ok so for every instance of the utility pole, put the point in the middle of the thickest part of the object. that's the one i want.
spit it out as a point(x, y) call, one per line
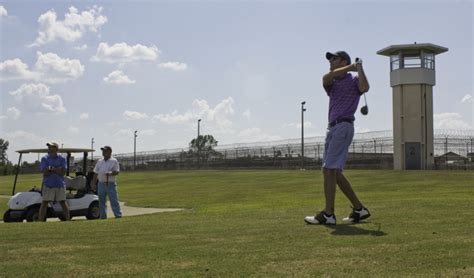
point(135, 150)
point(199, 127)
point(302, 133)
point(92, 152)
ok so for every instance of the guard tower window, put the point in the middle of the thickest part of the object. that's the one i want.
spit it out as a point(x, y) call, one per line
point(394, 62)
point(412, 61)
point(429, 61)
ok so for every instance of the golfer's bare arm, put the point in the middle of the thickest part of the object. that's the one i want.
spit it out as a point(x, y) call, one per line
point(363, 82)
point(329, 77)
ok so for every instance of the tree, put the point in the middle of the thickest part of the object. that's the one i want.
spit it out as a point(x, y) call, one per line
point(203, 147)
point(3, 151)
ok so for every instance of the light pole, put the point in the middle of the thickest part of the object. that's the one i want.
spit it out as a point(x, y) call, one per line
point(199, 126)
point(302, 133)
point(92, 152)
point(135, 150)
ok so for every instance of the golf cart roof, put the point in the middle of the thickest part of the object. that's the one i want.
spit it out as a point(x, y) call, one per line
point(60, 150)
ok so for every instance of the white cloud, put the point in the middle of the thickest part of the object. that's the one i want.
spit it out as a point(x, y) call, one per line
point(361, 129)
point(15, 69)
point(3, 11)
point(53, 68)
point(219, 115)
point(175, 118)
point(133, 115)
point(147, 132)
point(176, 66)
point(118, 77)
point(84, 116)
point(72, 28)
point(49, 68)
point(255, 134)
point(467, 99)
point(450, 121)
point(73, 129)
point(36, 98)
point(81, 47)
point(24, 139)
point(13, 113)
point(124, 53)
point(307, 124)
point(247, 114)
point(123, 134)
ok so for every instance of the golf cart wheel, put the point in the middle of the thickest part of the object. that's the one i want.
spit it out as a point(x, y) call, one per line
point(32, 214)
point(7, 217)
point(93, 212)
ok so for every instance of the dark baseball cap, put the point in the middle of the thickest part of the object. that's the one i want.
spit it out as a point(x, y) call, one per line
point(106, 148)
point(341, 54)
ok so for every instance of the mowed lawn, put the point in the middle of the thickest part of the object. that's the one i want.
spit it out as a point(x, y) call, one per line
point(250, 223)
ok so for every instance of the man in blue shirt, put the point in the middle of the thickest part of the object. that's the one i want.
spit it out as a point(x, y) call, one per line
point(54, 168)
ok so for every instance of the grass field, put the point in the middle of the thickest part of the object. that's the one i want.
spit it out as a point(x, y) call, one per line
point(250, 223)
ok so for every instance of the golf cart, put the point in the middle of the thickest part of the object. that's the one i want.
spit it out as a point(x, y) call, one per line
point(82, 201)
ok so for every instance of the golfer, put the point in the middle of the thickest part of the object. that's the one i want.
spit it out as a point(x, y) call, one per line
point(105, 171)
point(54, 168)
point(344, 90)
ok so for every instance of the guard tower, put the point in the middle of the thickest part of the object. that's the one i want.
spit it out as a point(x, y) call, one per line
point(412, 77)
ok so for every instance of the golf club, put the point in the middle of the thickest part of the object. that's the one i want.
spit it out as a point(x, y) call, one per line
point(364, 110)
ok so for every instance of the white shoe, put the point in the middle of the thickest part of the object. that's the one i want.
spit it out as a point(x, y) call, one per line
point(357, 215)
point(321, 219)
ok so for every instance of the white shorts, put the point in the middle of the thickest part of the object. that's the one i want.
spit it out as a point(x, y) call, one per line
point(338, 140)
point(54, 194)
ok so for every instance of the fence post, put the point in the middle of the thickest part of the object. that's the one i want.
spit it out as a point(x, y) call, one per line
point(446, 152)
point(289, 157)
point(319, 157)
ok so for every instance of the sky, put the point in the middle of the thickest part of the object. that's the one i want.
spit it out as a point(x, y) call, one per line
point(71, 71)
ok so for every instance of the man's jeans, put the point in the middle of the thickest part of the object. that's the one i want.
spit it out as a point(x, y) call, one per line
point(110, 189)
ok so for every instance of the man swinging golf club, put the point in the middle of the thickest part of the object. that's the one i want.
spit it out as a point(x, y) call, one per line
point(344, 91)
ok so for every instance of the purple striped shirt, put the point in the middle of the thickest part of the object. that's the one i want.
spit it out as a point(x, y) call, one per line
point(344, 97)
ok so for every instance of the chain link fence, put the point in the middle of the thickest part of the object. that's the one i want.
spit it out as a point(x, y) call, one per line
point(453, 149)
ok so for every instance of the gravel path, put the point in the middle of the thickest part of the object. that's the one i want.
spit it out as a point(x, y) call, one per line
point(126, 210)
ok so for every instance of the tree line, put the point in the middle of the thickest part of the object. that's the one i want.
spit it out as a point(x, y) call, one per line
point(6, 167)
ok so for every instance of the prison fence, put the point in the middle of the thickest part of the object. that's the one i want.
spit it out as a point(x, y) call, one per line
point(453, 149)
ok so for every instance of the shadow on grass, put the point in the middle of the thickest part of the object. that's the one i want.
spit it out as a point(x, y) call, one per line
point(355, 230)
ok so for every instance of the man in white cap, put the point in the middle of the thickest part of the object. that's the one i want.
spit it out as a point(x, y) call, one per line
point(105, 171)
point(54, 168)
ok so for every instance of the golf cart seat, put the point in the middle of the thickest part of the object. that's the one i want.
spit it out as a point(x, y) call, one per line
point(75, 183)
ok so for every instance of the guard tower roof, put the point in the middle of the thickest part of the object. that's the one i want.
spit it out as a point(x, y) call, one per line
point(395, 49)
